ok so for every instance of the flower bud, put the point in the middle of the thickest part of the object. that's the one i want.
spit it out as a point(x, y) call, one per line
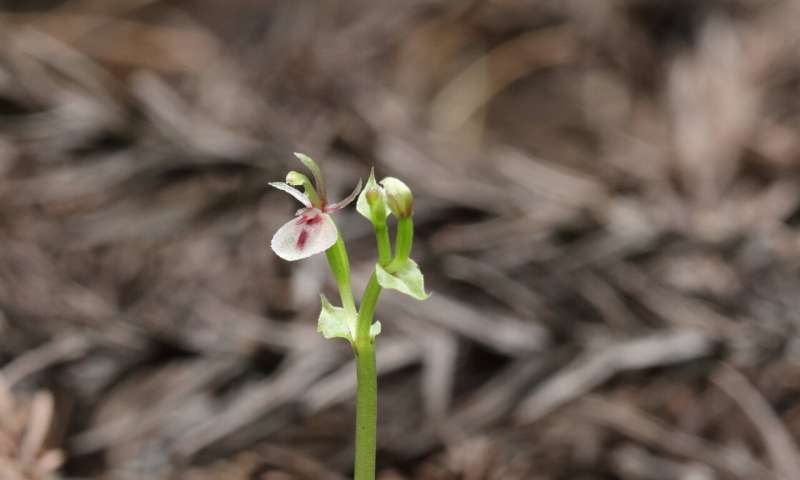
point(373, 196)
point(398, 197)
point(367, 206)
point(377, 205)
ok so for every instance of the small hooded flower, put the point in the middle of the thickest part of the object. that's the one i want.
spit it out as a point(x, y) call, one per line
point(312, 230)
point(379, 199)
point(398, 197)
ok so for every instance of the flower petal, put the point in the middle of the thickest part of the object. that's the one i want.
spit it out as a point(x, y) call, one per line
point(304, 236)
point(346, 201)
point(300, 196)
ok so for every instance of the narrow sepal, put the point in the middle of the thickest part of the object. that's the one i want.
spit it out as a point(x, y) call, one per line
point(346, 201)
point(297, 194)
point(315, 170)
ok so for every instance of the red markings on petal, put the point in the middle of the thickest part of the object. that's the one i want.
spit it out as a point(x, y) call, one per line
point(302, 239)
point(308, 221)
point(310, 233)
point(312, 219)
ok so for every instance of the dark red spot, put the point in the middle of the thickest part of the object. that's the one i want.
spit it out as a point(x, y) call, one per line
point(302, 239)
point(309, 219)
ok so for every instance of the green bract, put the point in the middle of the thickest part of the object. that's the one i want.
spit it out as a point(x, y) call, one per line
point(408, 279)
point(336, 322)
point(363, 204)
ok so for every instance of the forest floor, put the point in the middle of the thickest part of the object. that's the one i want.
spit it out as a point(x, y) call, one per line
point(608, 204)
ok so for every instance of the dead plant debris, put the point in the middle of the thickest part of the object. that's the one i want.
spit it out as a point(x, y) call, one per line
point(608, 202)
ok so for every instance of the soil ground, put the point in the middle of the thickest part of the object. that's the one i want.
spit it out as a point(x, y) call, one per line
point(607, 210)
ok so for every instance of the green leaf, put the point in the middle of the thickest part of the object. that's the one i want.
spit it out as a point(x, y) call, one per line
point(375, 330)
point(408, 279)
point(363, 205)
point(335, 322)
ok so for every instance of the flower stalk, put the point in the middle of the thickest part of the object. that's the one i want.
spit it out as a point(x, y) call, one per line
point(340, 268)
point(377, 205)
point(366, 385)
point(403, 242)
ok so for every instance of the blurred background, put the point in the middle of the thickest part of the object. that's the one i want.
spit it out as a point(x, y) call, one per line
point(608, 213)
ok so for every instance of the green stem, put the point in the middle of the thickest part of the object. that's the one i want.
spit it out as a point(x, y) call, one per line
point(367, 389)
point(384, 245)
point(340, 266)
point(403, 242)
point(367, 311)
point(366, 413)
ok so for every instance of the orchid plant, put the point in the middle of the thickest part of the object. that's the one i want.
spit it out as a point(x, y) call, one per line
point(314, 231)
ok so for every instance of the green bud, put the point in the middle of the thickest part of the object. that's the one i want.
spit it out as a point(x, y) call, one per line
point(398, 197)
point(373, 196)
point(364, 205)
point(377, 206)
point(296, 178)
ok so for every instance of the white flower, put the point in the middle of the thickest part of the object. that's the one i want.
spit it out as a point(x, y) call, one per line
point(312, 230)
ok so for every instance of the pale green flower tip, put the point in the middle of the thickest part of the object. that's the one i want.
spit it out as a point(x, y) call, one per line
point(308, 162)
point(324, 301)
point(398, 197)
point(296, 178)
point(373, 196)
point(315, 171)
point(304, 158)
